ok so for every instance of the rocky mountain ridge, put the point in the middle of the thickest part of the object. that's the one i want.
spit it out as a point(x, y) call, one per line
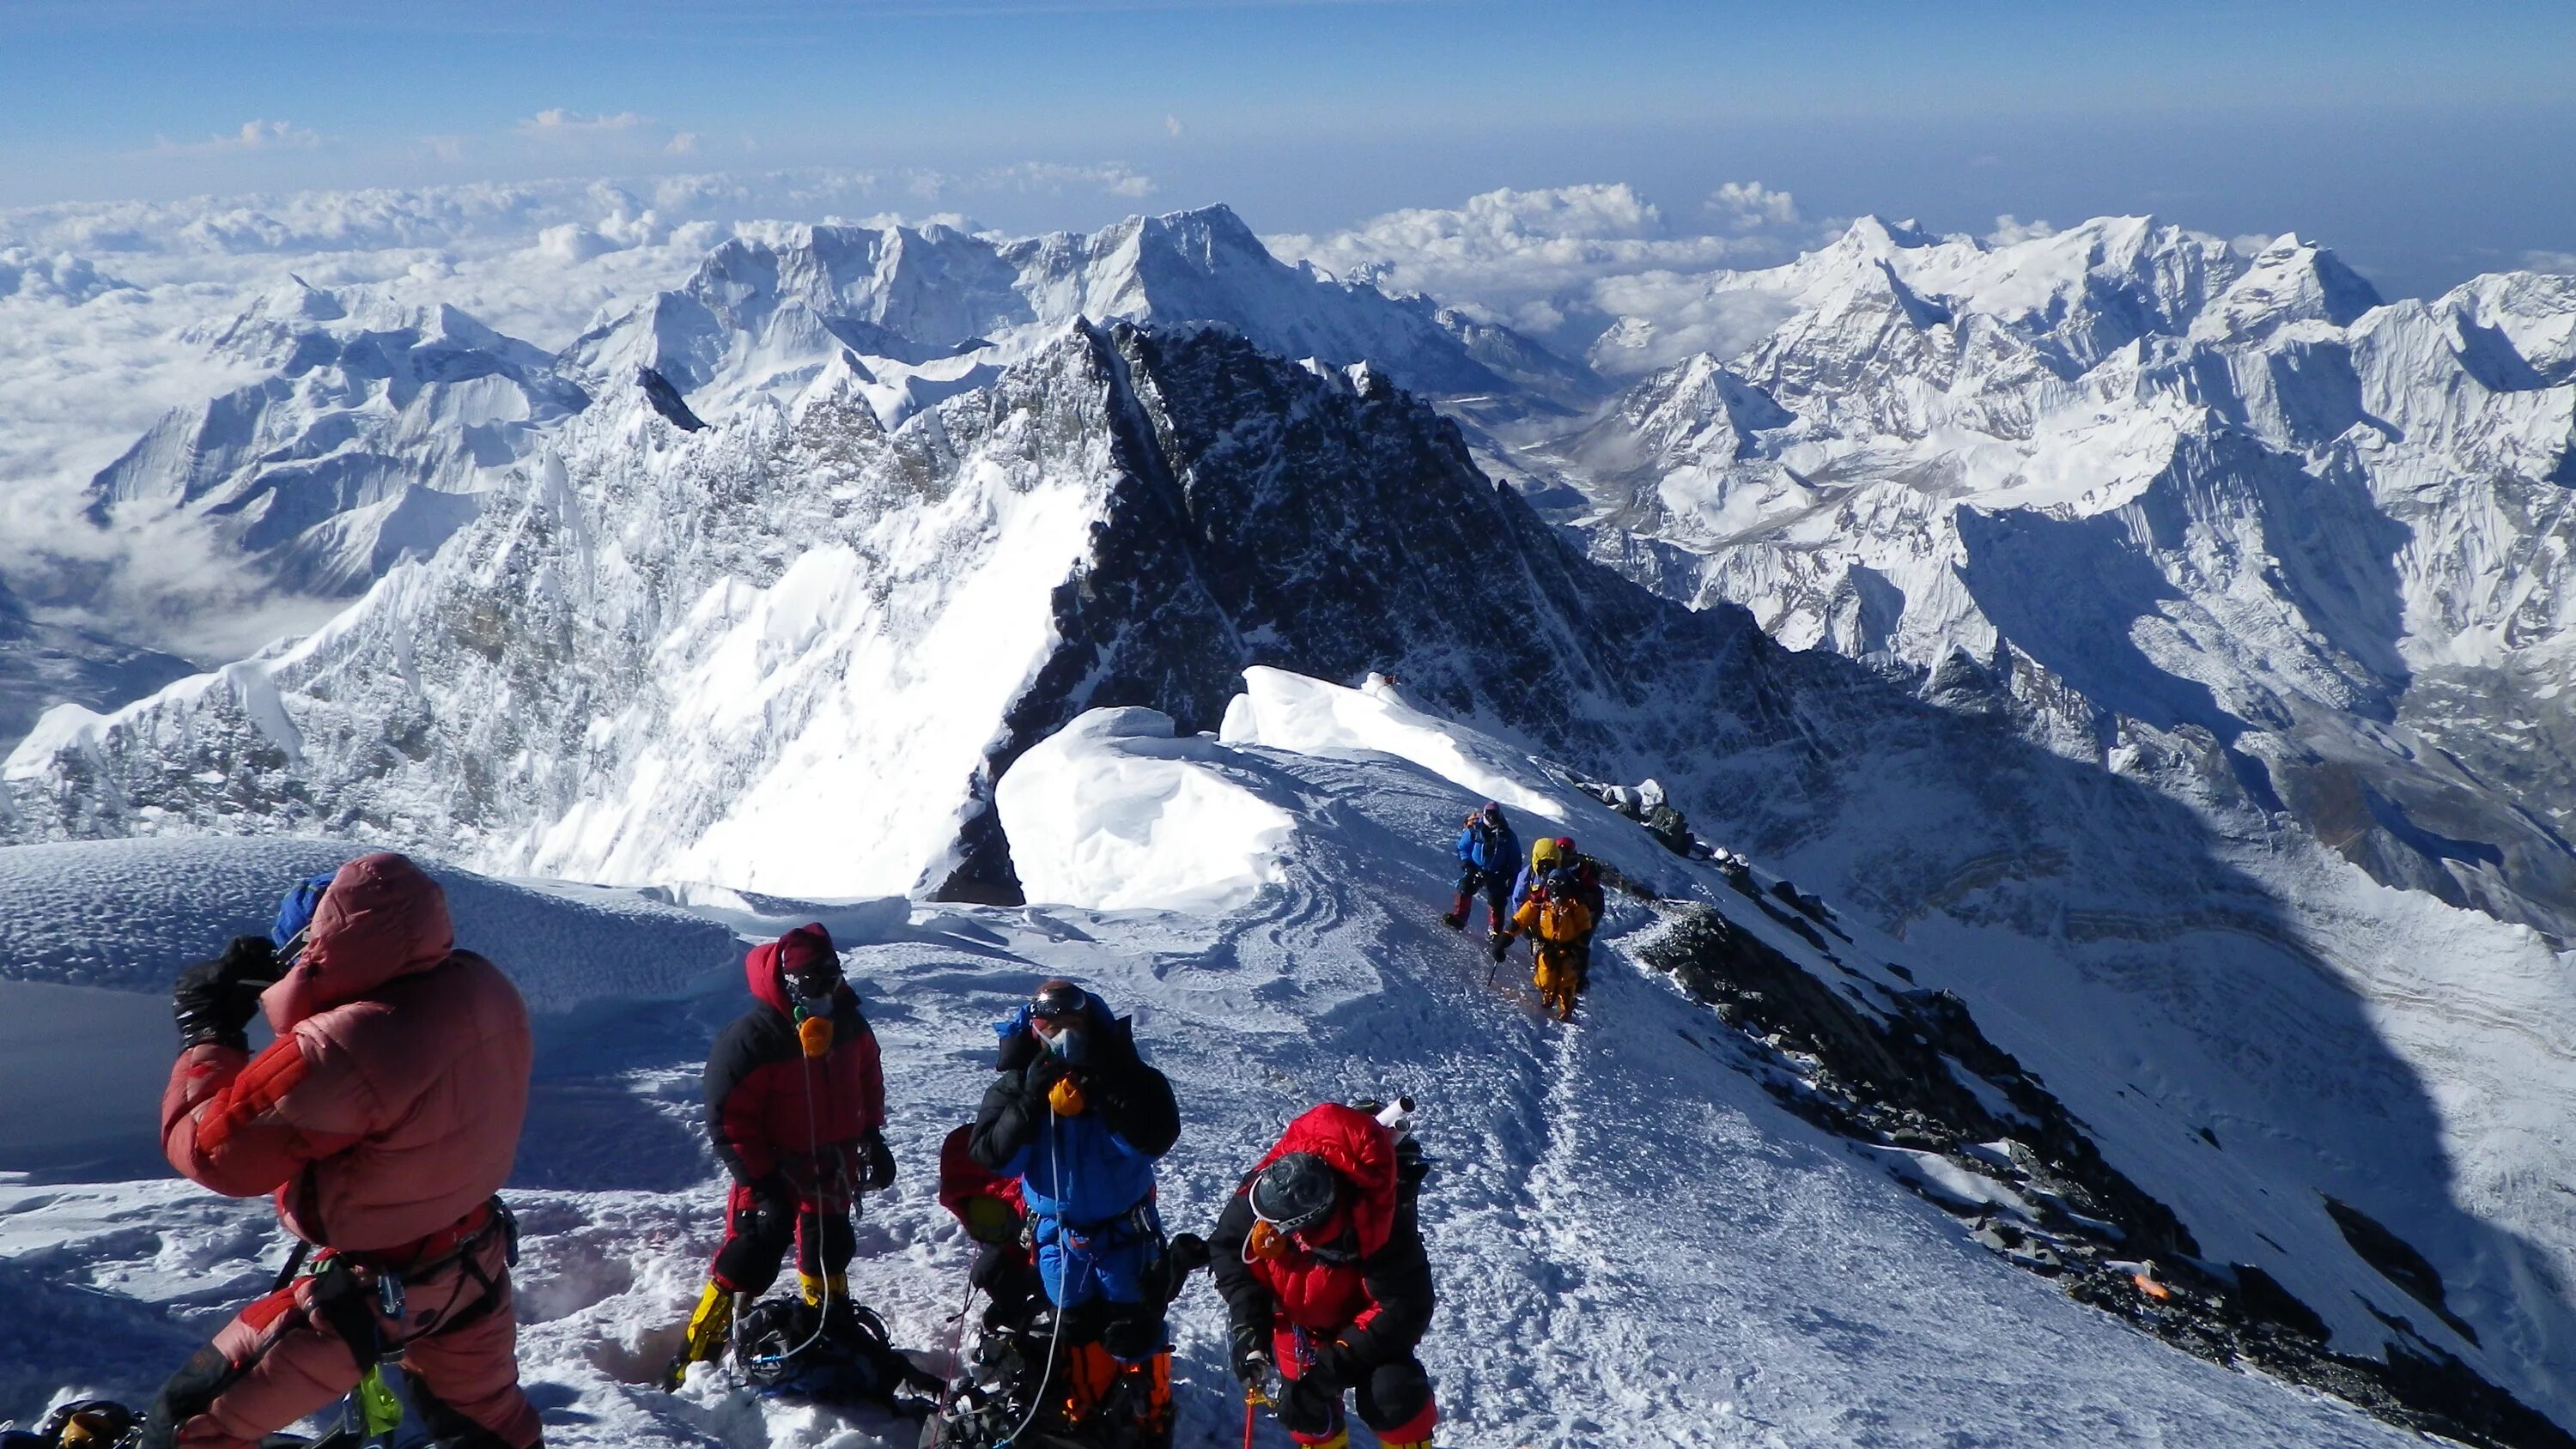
point(2124, 472)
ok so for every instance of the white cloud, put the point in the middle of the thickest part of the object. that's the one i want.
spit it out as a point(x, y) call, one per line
point(1172, 124)
point(2010, 229)
point(2547, 261)
point(1539, 260)
point(450, 149)
point(1750, 205)
point(253, 136)
point(556, 122)
point(684, 143)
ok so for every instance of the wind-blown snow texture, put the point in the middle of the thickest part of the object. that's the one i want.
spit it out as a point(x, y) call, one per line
point(2204, 737)
point(1784, 1291)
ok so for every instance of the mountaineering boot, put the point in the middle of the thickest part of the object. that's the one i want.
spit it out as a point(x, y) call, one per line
point(1407, 1444)
point(705, 1337)
point(1456, 920)
point(1149, 1389)
point(837, 1284)
point(1341, 1440)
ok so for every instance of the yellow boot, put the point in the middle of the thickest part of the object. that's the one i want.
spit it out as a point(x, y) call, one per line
point(1407, 1444)
point(838, 1284)
point(705, 1336)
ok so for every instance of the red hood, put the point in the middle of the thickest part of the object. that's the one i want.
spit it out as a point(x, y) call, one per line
point(382, 917)
point(1354, 1144)
point(761, 966)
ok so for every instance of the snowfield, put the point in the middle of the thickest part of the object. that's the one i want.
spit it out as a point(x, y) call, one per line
point(1635, 1242)
point(2147, 653)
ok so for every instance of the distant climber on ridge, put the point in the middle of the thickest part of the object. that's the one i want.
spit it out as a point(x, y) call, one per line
point(384, 1117)
point(795, 1095)
point(1319, 1256)
point(1079, 1118)
point(1488, 853)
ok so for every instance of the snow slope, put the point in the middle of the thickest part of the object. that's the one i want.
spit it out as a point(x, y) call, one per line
point(363, 442)
point(1216, 509)
point(2126, 471)
point(1712, 1271)
point(768, 312)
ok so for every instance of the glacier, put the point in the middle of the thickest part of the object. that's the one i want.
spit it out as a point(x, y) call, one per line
point(2125, 473)
point(2156, 641)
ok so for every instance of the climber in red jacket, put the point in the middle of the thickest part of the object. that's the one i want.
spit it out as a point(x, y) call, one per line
point(1320, 1258)
point(796, 1110)
point(384, 1118)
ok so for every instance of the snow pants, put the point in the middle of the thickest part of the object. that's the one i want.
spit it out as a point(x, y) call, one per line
point(1495, 887)
point(1395, 1399)
point(1114, 1274)
point(279, 1360)
point(749, 1259)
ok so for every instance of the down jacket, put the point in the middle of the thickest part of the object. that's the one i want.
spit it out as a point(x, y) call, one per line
point(389, 1106)
point(1362, 1277)
point(1097, 1165)
point(1489, 850)
point(771, 1111)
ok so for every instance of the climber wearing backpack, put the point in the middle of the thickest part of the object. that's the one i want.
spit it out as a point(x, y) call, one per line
point(1556, 862)
point(1078, 1117)
point(1488, 852)
point(795, 1098)
point(384, 1117)
point(1320, 1258)
point(1559, 924)
point(990, 1208)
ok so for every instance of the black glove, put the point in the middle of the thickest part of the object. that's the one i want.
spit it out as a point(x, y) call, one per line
point(214, 1000)
point(876, 1171)
point(1251, 1348)
point(1014, 1053)
point(1252, 1365)
point(1043, 1073)
point(1334, 1368)
point(771, 1213)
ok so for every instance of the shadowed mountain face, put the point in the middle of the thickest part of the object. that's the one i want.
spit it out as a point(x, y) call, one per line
point(42, 665)
point(2126, 472)
point(792, 650)
point(365, 443)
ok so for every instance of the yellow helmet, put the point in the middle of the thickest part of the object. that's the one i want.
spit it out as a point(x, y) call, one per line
point(1543, 854)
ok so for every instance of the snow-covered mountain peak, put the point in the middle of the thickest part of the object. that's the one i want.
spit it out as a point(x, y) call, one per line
point(2301, 499)
point(767, 311)
point(2289, 282)
point(365, 443)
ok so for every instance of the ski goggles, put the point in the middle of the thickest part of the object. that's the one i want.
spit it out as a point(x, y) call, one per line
point(1057, 1005)
point(814, 988)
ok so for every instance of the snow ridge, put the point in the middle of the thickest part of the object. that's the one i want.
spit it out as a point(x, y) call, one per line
point(2146, 477)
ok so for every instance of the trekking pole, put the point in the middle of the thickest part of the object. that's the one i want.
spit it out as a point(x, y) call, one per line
point(1247, 1419)
point(956, 1361)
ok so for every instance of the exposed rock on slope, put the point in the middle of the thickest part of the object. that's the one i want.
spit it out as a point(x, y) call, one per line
point(2124, 472)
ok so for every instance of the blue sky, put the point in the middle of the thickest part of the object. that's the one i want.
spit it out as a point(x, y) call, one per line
point(2423, 141)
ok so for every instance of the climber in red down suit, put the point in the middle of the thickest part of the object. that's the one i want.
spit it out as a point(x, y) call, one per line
point(796, 1110)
